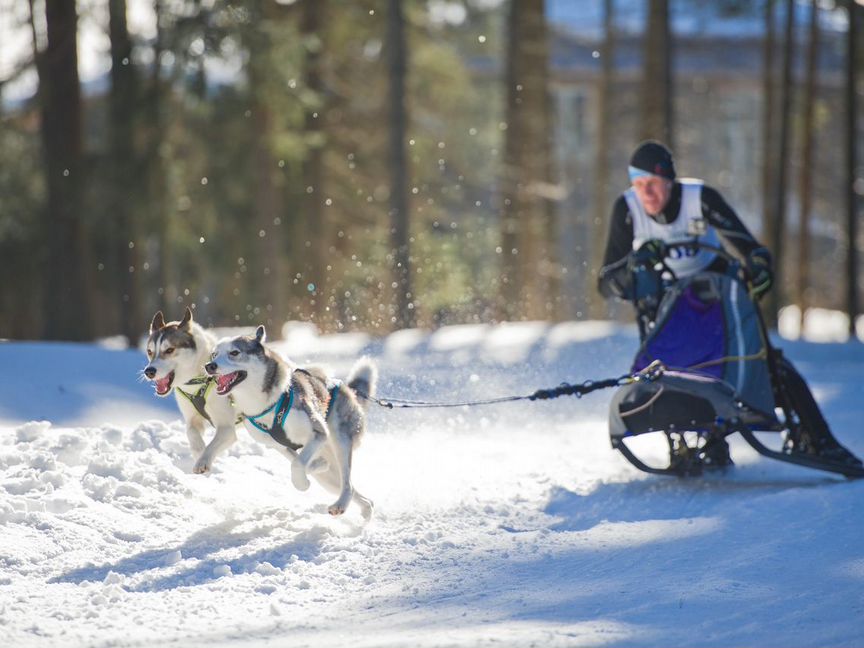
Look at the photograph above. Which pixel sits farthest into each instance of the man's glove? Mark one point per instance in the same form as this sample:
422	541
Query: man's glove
759	271
649	254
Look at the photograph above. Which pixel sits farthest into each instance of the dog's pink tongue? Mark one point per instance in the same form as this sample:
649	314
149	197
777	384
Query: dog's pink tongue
163	384
224	381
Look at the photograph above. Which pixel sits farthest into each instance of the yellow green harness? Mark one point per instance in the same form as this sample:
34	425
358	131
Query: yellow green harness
198	399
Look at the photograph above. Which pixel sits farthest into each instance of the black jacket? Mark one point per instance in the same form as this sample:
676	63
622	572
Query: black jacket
615	279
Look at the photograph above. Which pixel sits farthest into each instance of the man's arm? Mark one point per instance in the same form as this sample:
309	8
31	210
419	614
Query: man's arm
736	238
733	233
615	279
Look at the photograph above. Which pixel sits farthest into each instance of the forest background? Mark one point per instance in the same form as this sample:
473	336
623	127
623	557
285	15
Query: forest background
380	164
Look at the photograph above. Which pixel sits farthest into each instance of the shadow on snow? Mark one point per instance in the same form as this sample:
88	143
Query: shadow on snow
201	550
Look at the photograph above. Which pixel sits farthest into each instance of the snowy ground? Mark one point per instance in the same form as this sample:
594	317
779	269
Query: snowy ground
510	525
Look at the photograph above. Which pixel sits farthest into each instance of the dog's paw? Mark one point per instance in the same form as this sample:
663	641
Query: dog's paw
298	477
338	507
201	467
366	510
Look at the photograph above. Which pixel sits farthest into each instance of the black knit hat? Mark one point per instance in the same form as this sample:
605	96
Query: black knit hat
653	158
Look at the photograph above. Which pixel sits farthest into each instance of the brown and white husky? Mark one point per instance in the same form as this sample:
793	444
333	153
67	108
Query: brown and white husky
177	352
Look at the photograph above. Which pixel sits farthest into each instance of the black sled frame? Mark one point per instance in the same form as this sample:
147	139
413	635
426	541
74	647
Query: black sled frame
690	460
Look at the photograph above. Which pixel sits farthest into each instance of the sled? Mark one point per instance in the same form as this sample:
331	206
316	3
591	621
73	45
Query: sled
723	377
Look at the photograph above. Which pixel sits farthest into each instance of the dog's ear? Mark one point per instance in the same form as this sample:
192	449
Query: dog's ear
260	335
158	322
187	319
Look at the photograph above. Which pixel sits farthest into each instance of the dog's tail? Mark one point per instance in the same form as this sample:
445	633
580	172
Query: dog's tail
362	380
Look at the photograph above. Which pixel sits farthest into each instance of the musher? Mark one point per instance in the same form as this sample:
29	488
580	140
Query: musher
658	210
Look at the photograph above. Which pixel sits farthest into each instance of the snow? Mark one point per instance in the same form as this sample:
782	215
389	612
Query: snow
820	324
511	524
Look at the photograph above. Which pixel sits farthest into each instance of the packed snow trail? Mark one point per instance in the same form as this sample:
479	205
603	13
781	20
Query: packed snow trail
513	524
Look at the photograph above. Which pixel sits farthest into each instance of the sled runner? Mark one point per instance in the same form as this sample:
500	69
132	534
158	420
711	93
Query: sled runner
723	376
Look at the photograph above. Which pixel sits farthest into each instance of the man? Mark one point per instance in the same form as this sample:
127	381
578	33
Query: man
657	210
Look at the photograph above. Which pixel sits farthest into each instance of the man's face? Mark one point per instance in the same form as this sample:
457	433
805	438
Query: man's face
653	192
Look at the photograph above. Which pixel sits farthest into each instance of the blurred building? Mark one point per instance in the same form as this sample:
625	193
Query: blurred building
718	77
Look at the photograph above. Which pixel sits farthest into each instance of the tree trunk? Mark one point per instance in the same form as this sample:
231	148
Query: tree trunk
67	308
657	75
312	28
199	79
851	163
397	55
265	267
769	123
510	291
122	108
600	225
805	177
159	219
778	225
528	233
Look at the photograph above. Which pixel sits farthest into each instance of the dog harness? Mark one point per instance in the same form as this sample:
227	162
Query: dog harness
280	410
199	398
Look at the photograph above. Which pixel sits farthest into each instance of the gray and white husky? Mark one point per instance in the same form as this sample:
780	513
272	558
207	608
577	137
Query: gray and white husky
177	352
315	421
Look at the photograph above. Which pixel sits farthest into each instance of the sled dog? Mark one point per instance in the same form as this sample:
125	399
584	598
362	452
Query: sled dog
177	352
315	421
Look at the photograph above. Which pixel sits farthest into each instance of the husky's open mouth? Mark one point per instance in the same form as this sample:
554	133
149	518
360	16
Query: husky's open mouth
225	382
163	385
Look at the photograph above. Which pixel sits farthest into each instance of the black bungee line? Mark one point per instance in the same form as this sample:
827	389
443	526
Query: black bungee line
648	374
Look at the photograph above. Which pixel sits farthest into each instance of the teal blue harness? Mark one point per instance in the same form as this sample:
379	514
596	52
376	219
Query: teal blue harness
281	408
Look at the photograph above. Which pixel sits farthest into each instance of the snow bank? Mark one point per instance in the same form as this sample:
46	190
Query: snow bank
512	525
